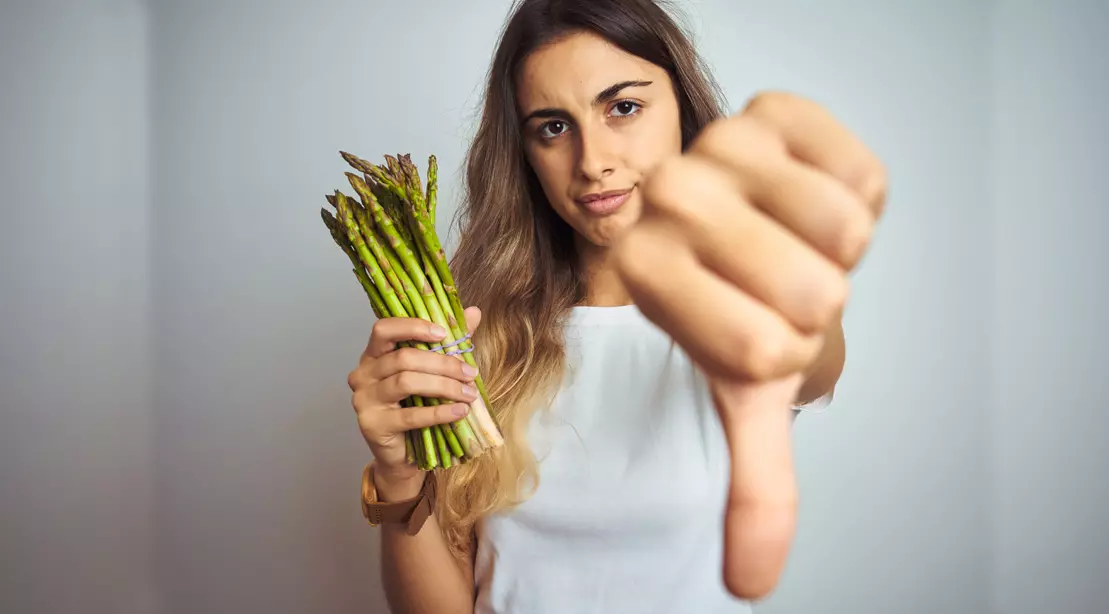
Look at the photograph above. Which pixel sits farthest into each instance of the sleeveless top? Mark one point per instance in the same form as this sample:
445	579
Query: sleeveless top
628	515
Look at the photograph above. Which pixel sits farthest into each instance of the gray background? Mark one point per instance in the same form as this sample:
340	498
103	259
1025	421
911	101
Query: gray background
176	327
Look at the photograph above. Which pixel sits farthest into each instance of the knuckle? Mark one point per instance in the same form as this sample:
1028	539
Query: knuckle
409	419
407	381
407	359
775	104
442	414
829	298
741	143
684	190
359	402
354	379
761	357
874	186
717	130
379	328
371	428
662	190
851	240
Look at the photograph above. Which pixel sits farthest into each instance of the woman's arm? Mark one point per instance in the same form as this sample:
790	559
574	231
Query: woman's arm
420	574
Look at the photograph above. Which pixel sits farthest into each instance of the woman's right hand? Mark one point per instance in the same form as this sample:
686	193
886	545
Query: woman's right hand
387	375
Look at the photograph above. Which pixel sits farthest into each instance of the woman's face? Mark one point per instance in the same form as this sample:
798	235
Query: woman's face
596	119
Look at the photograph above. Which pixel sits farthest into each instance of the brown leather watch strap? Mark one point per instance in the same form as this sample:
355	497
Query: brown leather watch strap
412	512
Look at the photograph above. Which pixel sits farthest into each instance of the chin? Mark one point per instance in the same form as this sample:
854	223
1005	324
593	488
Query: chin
605	232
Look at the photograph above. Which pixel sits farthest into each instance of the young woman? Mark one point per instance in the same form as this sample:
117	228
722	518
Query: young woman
655	285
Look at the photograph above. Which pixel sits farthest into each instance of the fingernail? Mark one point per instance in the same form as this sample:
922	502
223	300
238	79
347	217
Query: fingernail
437	331
468	371
469	391
460	410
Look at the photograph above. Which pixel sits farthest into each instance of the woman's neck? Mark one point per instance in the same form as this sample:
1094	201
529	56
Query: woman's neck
603	287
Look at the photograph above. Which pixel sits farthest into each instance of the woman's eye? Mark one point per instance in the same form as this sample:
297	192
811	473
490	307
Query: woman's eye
552	129
625	108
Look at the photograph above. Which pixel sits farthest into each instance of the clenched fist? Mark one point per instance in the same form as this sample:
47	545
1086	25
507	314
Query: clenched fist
746	241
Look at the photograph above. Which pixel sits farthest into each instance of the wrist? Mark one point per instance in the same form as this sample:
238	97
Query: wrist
397	484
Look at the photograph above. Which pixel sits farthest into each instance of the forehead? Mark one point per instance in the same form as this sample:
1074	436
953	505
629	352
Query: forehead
572	70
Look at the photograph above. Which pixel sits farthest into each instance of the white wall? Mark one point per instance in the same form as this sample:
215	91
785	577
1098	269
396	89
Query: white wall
1050	429
76	426
960	471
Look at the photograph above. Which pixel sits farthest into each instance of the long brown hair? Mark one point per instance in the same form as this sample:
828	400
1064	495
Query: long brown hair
516	258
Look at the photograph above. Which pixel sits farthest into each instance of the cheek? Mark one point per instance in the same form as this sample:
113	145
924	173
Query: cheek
549	166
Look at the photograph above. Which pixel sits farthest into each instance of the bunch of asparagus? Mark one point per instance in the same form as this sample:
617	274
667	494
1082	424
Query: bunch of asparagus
389	235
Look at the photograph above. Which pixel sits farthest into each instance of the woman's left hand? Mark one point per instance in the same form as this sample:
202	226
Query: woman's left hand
746	240
742	255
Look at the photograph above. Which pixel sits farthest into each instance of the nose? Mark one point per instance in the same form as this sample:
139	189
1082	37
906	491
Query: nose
595	158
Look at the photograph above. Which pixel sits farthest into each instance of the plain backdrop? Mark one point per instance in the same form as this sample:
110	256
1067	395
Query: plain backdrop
176	325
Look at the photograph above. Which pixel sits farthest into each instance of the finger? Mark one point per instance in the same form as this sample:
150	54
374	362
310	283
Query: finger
811	134
473	318
814	205
388	332
409	418
411	359
724	329
746	247
397	387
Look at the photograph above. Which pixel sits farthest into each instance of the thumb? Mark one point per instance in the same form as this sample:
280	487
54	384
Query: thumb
758	426
473	318
761	516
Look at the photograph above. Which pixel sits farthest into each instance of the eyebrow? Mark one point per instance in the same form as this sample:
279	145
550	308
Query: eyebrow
602	97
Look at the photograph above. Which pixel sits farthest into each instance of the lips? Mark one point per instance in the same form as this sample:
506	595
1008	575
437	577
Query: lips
604	203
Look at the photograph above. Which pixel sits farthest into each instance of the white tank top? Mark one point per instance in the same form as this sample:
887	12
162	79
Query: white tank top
633	479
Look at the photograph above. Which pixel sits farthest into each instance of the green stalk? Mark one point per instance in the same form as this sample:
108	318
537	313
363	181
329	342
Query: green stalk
441	296
376	302
395	274
432	187
433	311
392	302
393	164
424	232
394	208
418	449
458	329
368	238
430	455
410	178
467	438
441	445
418	401
452	441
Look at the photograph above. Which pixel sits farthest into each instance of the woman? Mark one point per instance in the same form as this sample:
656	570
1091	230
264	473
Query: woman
611	210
